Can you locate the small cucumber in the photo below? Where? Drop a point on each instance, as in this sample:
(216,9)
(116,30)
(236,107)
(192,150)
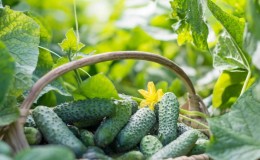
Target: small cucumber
(149,145)
(75,111)
(183,128)
(95,153)
(109,129)
(168,114)
(30,121)
(33,135)
(55,131)
(133,102)
(200,147)
(138,126)
(179,147)
(74,130)
(132,155)
(87,137)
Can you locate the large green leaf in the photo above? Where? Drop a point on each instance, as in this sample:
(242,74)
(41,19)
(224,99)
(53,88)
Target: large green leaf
(20,34)
(98,86)
(226,56)
(9,111)
(236,134)
(234,25)
(190,22)
(7,67)
(227,88)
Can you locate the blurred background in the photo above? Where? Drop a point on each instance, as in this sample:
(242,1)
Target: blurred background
(142,25)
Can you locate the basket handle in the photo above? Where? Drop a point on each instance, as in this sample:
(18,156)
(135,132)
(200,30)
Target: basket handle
(53,74)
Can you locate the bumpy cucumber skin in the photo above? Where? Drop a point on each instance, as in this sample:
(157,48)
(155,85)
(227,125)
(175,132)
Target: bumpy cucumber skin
(109,129)
(87,138)
(133,102)
(33,135)
(149,145)
(168,114)
(183,128)
(74,130)
(179,147)
(138,126)
(75,111)
(55,131)
(200,147)
(30,122)
(132,155)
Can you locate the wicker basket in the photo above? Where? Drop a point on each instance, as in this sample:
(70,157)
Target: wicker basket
(13,133)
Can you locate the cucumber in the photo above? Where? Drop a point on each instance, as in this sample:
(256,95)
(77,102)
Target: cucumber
(200,147)
(5,149)
(133,102)
(75,111)
(132,155)
(149,145)
(179,147)
(109,129)
(87,138)
(33,135)
(55,131)
(95,153)
(138,126)
(30,121)
(74,130)
(88,122)
(168,114)
(183,128)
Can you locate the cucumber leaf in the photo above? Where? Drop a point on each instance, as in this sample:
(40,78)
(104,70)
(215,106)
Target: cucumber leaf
(234,25)
(236,134)
(190,26)
(7,69)
(98,86)
(226,56)
(20,34)
(8,110)
(71,43)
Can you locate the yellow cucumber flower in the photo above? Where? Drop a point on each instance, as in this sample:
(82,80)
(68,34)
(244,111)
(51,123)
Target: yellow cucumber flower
(151,96)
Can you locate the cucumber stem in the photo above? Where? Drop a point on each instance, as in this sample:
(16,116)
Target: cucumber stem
(193,113)
(194,121)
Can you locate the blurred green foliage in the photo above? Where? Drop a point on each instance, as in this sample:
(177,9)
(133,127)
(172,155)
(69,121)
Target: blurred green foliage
(115,25)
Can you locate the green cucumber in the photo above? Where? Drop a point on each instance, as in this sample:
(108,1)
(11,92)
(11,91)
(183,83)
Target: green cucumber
(30,121)
(132,155)
(55,131)
(179,147)
(133,102)
(75,111)
(168,114)
(74,130)
(87,137)
(33,135)
(200,147)
(88,122)
(95,153)
(183,128)
(109,129)
(149,145)
(138,126)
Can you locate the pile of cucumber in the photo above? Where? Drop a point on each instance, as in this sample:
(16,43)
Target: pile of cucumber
(115,129)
